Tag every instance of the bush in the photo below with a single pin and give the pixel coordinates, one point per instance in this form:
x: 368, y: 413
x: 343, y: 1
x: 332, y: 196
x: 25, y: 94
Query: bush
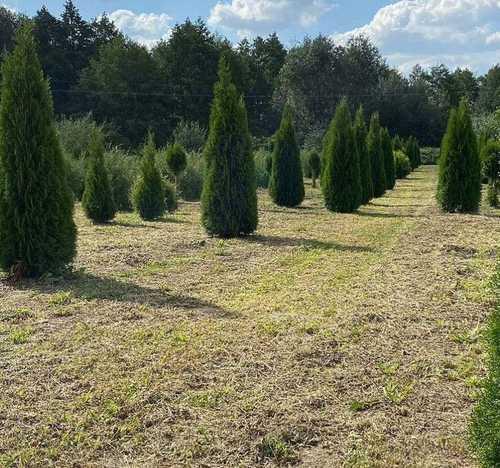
x: 304, y: 159
x: 229, y: 198
x: 365, y: 165
x: 170, y: 197
x: 430, y: 156
x: 190, y: 184
x: 149, y: 191
x: 262, y: 158
x: 191, y: 136
x: 122, y: 169
x: 315, y: 166
x: 286, y: 186
x: 37, y: 231
x: 97, y: 201
x: 490, y: 158
x: 75, y: 173
x: 390, y: 172
x: 374, y: 143
x: 413, y: 151
x: 176, y: 160
x: 402, y: 165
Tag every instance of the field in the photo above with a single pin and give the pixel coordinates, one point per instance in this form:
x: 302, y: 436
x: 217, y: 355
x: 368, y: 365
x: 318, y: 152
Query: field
x: 324, y: 340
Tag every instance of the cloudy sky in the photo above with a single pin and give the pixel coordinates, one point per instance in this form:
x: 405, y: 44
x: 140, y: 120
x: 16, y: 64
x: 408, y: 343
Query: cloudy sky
x: 455, y: 32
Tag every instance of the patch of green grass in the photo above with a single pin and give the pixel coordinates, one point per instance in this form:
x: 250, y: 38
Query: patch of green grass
x: 61, y: 298
x: 467, y: 337
x: 389, y: 368
x: 209, y: 399
x: 396, y: 392
x: 20, y: 335
x: 357, y: 406
x: 276, y: 447
x: 18, y: 314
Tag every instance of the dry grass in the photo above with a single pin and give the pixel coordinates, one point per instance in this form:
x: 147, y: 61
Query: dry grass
x: 324, y: 340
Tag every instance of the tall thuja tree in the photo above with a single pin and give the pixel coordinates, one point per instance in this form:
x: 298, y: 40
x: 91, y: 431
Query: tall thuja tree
x: 365, y: 165
x: 148, y: 195
x: 37, y: 231
x: 97, y: 201
x: 377, y: 157
x: 341, y: 181
x: 389, y: 163
x: 229, y: 197
x: 413, y: 152
x: 459, y: 187
x: 287, y: 181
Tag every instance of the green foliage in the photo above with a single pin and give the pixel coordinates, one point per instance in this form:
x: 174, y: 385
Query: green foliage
x: 402, y: 165
x: 190, y: 135
x: 122, y: 169
x: 75, y: 173
x: 397, y: 143
x: 176, y: 159
x: 341, y: 180
x: 190, y: 184
x: 170, y: 197
x: 149, y: 191
x: 412, y: 149
x: 37, y: 231
x: 459, y: 188
x: 229, y: 198
x: 97, y: 201
x: 390, y: 170
x: 485, y: 425
x: 315, y: 165
x: 365, y: 164
x: 262, y: 158
x: 377, y: 157
x: 287, y: 181
x: 429, y: 156
x: 490, y: 158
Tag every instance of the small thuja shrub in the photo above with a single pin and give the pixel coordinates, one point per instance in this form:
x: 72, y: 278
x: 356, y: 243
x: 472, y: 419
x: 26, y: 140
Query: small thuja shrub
x: 390, y: 170
x: 490, y: 158
x: 397, y: 143
x: 190, y: 184
x: 315, y: 166
x: 261, y: 173
x: 229, y: 198
x: 412, y: 149
x: 365, y: 165
x: 377, y: 157
x: 341, y: 182
x: 97, y: 201
x: 37, y: 231
x: 149, y: 190
x: 176, y: 160
x: 459, y: 187
x: 171, y: 204
x: 286, y: 186
x: 122, y: 169
x: 402, y: 165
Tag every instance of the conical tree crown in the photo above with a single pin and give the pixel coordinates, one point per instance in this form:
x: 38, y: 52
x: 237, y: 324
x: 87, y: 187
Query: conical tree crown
x: 459, y: 187
x: 287, y: 181
x: 37, y: 232
x: 365, y: 165
x: 149, y: 191
x: 229, y: 197
x: 341, y: 181
x: 97, y: 201
x: 377, y: 157
x: 389, y: 163
x: 413, y: 152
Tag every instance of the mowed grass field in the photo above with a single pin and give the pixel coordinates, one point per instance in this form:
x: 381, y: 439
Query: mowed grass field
x: 324, y: 340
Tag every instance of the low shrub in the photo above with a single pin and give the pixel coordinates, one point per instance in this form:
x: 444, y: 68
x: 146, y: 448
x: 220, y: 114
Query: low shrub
x: 403, y: 164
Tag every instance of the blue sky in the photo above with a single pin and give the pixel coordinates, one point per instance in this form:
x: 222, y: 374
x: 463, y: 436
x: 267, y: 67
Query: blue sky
x: 454, y: 32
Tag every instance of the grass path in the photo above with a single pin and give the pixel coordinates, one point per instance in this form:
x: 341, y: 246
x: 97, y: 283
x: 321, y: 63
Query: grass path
x: 324, y: 340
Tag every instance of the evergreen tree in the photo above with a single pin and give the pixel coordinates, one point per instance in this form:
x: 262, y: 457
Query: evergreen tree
x: 148, y: 195
x: 176, y: 160
x: 490, y: 157
x: 37, y: 231
x: 287, y: 181
x: 315, y: 165
x: 459, y: 188
x: 389, y: 164
x: 413, y: 151
x: 376, y: 157
x: 365, y: 165
x: 97, y: 201
x: 341, y: 180
x: 229, y: 198
x: 397, y: 143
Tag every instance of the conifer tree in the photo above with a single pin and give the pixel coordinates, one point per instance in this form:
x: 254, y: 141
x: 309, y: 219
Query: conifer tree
x: 397, y: 143
x: 365, y: 165
x: 315, y: 165
x: 459, y: 187
x: 491, y: 162
x: 286, y: 186
x: 376, y: 157
x: 176, y: 160
x: 229, y: 198
x: 37, y: 231
x: 97, y: 201
x: 341, y: 181
x: 413, y: 152
x: 148, y: 194
x: 389, y: 163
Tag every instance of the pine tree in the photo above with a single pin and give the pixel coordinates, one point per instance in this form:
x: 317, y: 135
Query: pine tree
x: 97, y: 201
x: 37, y: 231
x: 365, y: 165
x: 315, y: 165
x: 376, y: 157
x: 389, y: 163
x: 148, y: 195
x: 341, y: 180
x: 176, y: 160
x: 229, y: 198
x: 459, y: 188
x: 287, y: 181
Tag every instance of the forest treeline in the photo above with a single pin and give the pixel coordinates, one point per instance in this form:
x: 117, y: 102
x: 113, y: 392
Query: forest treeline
x: 94, y: 68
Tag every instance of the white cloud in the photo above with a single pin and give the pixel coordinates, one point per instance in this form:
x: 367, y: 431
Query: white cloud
x: 455, y: 32
x: 248, y: 17
x: 146, y: 28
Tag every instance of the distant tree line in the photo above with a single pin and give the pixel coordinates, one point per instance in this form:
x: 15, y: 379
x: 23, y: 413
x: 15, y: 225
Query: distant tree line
x: 94, y: 67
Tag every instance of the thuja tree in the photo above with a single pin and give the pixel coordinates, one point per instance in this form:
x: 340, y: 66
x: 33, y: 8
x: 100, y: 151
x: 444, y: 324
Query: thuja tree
x: 176, y: 160
x: 389, y: 163
x: 229, y: 198
x: 376, y: 157
x: 148, y: 195
x: 341, y: 182
x: 459, y: 187
x: 37, y: 231
x: 365, y: 165
x: 287, y: 181
x: 97, y: 201
x: 490, y: 157
x: 413, y: 152
x: 315, y: 165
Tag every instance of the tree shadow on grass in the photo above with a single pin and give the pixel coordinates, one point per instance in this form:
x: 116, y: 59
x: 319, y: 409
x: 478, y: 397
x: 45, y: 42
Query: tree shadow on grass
x: 90, y: 287
x: 387, y: 215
